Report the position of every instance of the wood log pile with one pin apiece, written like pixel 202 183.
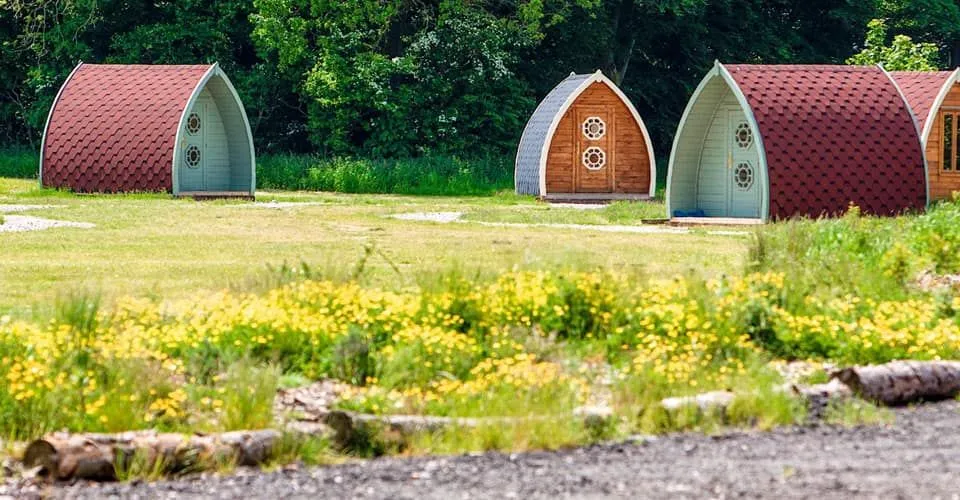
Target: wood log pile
pixel 64 456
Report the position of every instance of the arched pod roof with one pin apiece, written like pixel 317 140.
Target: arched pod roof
pixel 115 128
pixel 925 92
pixel 834 135
pixel 531 162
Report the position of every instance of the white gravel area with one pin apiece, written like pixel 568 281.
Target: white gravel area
pixel 283 204
pixel 442 217
pixel 23 223
pixel 457 217
pixel 13 209
pixel 580 206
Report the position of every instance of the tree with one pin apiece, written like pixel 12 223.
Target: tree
pixel 901 55
pixel 404 77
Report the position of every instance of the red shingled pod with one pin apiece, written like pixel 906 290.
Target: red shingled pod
pixel 829 136
pixel 114 128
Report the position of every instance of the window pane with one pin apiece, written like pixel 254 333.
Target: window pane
pixel 956 151
pixel 948 142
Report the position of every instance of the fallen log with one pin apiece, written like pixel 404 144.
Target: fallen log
pixel 903 382
pixel 64 456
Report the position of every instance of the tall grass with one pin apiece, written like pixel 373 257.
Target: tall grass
pixel 438 175
pixel 18 162
pixel 870 257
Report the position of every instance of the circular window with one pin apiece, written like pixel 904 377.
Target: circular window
pixel 743 176
pixel 192 156
pixel 193 124
pixel 594 128
pixel 594 158
pixel 744 136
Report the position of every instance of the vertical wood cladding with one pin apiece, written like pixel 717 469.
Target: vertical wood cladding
pixel 942 182
pixel 628 160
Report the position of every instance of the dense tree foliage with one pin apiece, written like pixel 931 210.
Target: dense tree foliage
pixel 396 78
pixel 901 55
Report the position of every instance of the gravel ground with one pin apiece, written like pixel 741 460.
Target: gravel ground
pixel 917 457
pixel 450 217
pixel 22 223
pixel 7 209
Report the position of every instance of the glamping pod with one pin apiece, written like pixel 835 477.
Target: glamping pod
pixel 124 128
pixel 585 141
pixel 934 97
pixel 772 142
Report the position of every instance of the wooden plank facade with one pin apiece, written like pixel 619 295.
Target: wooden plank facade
pixel 627 167
pixel 585 140
pixel 943 158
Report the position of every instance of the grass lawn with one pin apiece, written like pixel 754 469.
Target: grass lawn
pixel 153 245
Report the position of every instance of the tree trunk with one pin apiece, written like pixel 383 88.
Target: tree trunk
pixel 63 456
pixel 903 382
pixel 622 43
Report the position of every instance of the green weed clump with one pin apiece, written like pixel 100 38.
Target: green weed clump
pixel 869 257
pixel 433 175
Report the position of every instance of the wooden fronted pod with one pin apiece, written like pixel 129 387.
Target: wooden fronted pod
pixel 934 97
pixel 130 128
pixel 772 142
pixel 586 140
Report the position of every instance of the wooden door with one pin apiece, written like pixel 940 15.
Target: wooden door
pixel 192 150
pixel 744 190
pixel 594 152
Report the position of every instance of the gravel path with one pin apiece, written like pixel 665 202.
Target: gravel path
pixel 450 217
pixel 24 208
pixel 917 457
pixel 22 223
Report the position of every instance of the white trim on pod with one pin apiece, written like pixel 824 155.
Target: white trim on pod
pixel 916 126
pixel 597 77
pixel 758 138
pixel 46 127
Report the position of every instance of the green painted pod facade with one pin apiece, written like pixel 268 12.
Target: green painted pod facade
pixel 717 164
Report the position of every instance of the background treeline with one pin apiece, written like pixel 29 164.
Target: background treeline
pixel 397 79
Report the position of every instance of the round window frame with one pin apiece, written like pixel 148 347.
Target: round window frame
pixel 748 168
pixel 594 136
pixel 194 118
pixel 191 164
pixel 743 143
pixel 594 166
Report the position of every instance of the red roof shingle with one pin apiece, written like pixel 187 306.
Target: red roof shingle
pixel 921 89
pixel 834 135
pixel 114 127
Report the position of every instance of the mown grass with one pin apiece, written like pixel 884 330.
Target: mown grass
pixel 157 246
